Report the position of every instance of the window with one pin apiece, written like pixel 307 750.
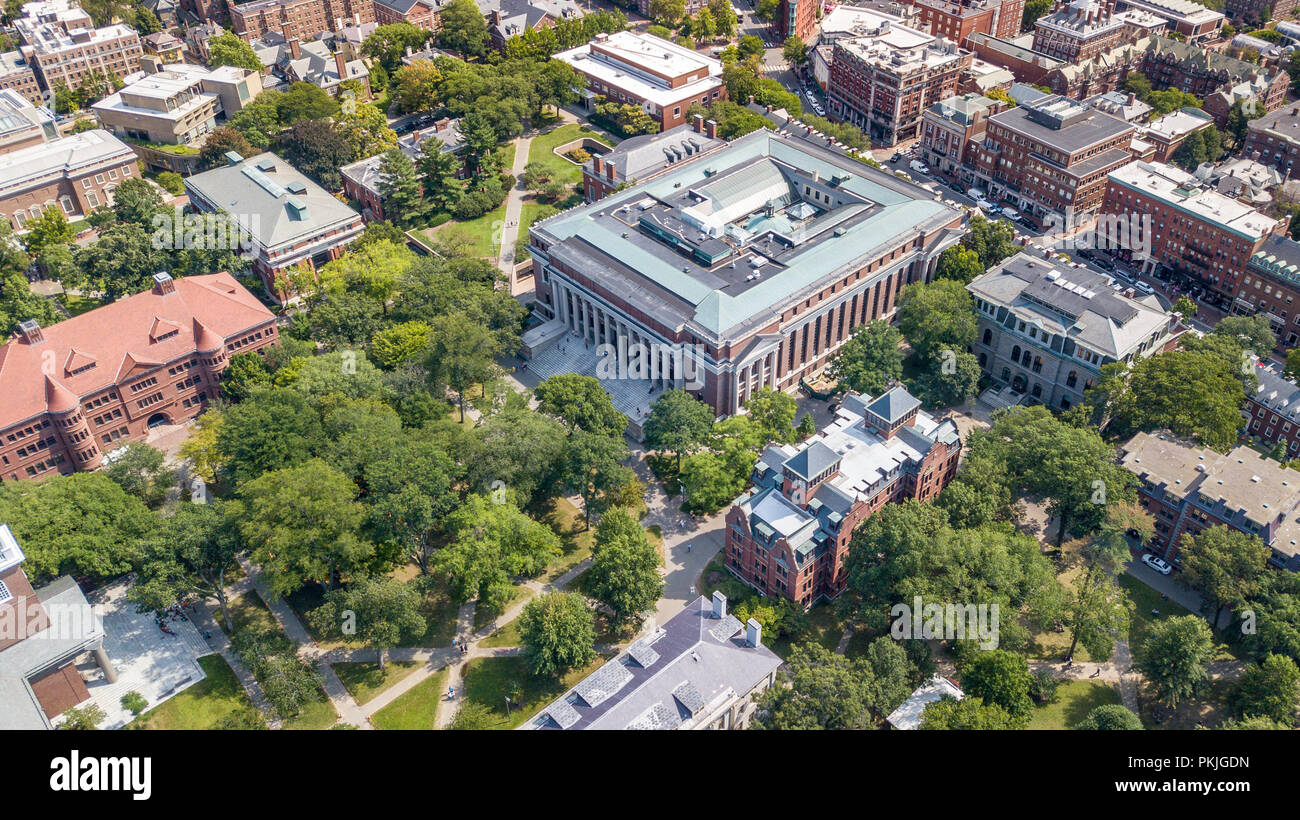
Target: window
pixel 65 202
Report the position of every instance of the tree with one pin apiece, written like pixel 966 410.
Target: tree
pixel 365 130
pixel 397 344
pixel 558 632
pixel 703 27
pixel 389 43
pixel 1225 565
pixel 1253 332
pixel 1002 678
pixel 960 264
pixel 461 354
pixel 474 716
pixel 724 17
pixel 826 691
pixel 258 122
pixel 303 523
pixel 593 467
pixel 48 230
pixel 228 49
pixel 1186 306
pixel 967 714
pixel 870 360
pixel 667 12
pixel 83 718
pixel 1110 717
pixel 122 262
pixel 489 544
pixel 220 142
pixel 795 50
pixel 439 171
pixel 951 379
pixel 304 101
pixel 139 469
pixel 82 524
pixel 245 373
pixel 678 422
pixel 992 240
pixel 773 413
pixel 381 611
pixel 318 150
pixel 624 573
pixel 1174 655
pixel 1270 690
pixel 581 403
pixel 137 201
pixel 195 552
pixel 399 188
pixel 937 317
pixel 464 28
pixel 411 491
pixel 766 10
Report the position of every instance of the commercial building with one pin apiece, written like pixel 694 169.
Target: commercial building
pixel 1045 331
pixel 1050 158
pixel 662 77
pixel 290 221
pixel 362 179
pixel 77 173
pixel 884 78
pixel 701 669
pixel 1195 22
pixel 798 18
pixel 641 159
pixel 1274 139
pixel 789 534
pixel 1188 228
pixel 78 389
pixel 303 19
pixel 958 19
pixel 951 130
pixel 757 261
pixel 1079 31
pixel 177 104
pixel 1188 488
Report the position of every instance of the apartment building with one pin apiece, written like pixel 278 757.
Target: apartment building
pixel 16 74
pixel 63 47
pixel 77 173
pixel 951 130
pixel 303 19
pixel 511 18
pixel 956 20
pixel 1259 11
pixel 789 534
pixel 289 219
pixel 426 14
pixel 1274 140
pixel 662 77
pixel 1270 285
pixel 1188 488
pixel 1192 230
pixel 798 18
pixel 883 79
pixel 1273 412
pixel 1079 31
pixel 1168 133
pixel 1046 330
pixel 85 386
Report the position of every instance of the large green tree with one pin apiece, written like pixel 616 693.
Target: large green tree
pixel 871 359
pixel 558 632
pixel 1173 658
pixel 624 573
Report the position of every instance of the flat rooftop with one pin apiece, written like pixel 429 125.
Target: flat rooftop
pixel 1185 192
pixel 1061 123
pixel 734 237
pixel 634 61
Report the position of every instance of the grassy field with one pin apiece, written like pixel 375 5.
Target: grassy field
pixel 567 522
pixel 542 150
pixel 483 233
pixel 78 305
pixel 1074 700
pixel 416 709
pixel 1148 607
pixel 489 680
pixel 365 681
pixel 202 706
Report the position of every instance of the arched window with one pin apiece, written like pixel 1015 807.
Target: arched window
pixel 988 336
pixel 1038 364
pixel 1015 354
pixel 1072 379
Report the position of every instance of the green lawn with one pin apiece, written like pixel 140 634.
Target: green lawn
pixel 484 616
pixel 318 714
pixel 438 608
pixel 365 681
pixel 202 706
pixel 489 680
pixel 567 522
pixel 78 305
pixel 1147 601
pixel 1074 700
pixel 542 150
pixel 416 709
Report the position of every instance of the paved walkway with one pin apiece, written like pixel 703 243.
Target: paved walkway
pixel 514 207
pixel 220 643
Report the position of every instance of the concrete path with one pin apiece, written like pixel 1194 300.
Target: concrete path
pixel 220 643
pixel 514 207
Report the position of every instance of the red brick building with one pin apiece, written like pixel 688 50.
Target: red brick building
pixel 426 14
pixel 798 18
pixel 790 534
pixel 958 19
pixel 81 388
pixel 1079 31
pixel 301 19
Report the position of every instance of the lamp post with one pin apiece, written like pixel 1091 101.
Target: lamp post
pixel 507 706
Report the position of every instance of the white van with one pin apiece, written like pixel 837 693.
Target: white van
pixel 919 167
pixel 1011 213
pixel 1144 287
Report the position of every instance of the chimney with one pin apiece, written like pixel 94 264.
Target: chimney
pixel 163 284
pixel 753 633
pixel 595 165
pixel 151 63
pixel 285 28
pixel 719 605
pixel 31 333
pixel 609 171
pixel 697 123
pixel 295 48
pixel 711 129
pixel 341 64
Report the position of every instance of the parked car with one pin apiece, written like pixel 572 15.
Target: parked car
pixel 896 157
pixel 1145 288
pixel 1160 565
pixel 919 167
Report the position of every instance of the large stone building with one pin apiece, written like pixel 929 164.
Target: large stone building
pixel 77 173
pixel 1186 227
pixel 1045 331
pixel 1050 158
pixel 756 260
pixel 289 220
pixel 884 78
pixel 1188 488
pixel 78 389
pixel 789 535
pixel 303 19
pixel 660 76
pixel 700 669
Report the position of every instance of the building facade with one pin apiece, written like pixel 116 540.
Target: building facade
pixel 1273 412
pixel 77 173
pixel 957 20
pixel 1274 140
pixel 362 179
pixel 1187 489
pixel 1197 23
pixel 1045 331
pixel 151 359
pixel 177 104
pixel 426 14
pixel 1079 31
pixel 641 159
pixel 303 19
pixel 951 130
pixel 789 535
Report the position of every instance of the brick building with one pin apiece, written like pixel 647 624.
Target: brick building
pixel 1259 11
pixel 1187 489
pixel 759 258
pixel 951 131
pixel 362 179
pixel 79 389
pixel 798 18
pixel 1273 412
pixel 883 80
pixel 77 173
pixel 660 76
pixel 789 535
pixel 63 56
pixel 16 73
pixel 303 19
pixel 1079 31
pixel 958 19
pixel 1197 23
pixel 1270 285
pixel 1193 231
pixel 1274 140
pixel 426 14
pixel 641 159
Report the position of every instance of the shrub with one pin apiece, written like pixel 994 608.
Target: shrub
pixel 134 702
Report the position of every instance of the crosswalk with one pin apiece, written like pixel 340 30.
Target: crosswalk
pixel 772 68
